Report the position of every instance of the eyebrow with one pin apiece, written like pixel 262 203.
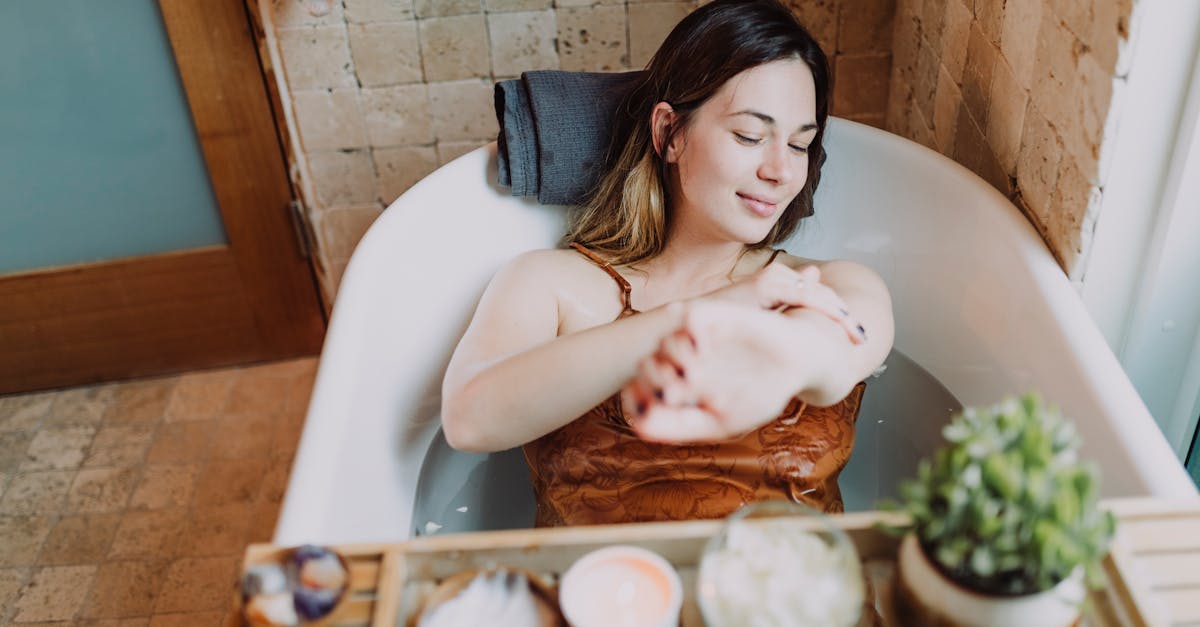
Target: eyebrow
pixel 770 121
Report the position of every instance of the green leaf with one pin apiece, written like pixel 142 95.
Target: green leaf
pixel 983 562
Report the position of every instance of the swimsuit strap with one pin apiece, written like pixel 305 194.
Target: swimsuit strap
pixel 604 265
pixel 773 256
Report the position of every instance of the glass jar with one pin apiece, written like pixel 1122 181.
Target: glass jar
pixel 780 563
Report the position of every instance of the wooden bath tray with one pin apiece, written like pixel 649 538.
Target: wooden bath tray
pixel 1154 568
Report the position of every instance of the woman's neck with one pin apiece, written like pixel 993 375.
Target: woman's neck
pixel 689 264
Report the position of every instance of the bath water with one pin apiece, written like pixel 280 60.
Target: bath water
pixel 902 414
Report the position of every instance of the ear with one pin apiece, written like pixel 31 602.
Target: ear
pixel 662 118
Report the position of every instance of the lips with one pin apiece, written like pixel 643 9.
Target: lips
pixel 760 206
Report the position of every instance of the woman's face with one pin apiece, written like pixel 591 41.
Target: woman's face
pixel 743 157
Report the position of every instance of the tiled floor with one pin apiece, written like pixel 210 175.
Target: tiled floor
pixel 130 503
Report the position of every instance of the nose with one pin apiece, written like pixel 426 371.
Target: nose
pixel 776 165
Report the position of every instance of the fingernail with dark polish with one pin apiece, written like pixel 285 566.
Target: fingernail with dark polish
pixel 862 332
pixel 843 312
pixel 658 394
pixel 641 408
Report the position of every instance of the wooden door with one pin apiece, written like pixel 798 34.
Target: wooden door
pixel 253 299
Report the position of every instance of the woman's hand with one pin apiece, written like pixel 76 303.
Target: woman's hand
pixel 778 287
pixel 725 372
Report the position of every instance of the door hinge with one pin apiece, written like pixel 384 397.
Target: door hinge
pixel 301 228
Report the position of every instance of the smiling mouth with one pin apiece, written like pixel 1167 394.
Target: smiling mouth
pixel 759 206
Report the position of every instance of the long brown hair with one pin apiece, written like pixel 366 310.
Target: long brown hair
pixel 626 217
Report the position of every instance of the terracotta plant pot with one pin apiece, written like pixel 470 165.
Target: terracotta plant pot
pixel 924 596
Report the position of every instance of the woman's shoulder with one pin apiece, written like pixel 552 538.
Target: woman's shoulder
pixel 551 268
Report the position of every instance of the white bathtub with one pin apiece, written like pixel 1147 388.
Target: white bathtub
pixel 979 303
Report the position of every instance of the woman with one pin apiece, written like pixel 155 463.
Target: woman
pixel 669 363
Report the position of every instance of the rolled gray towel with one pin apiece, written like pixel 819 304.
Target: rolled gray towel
pixel 554 131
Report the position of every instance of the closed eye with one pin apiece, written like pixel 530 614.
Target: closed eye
pixel 747 140
pixel 798 148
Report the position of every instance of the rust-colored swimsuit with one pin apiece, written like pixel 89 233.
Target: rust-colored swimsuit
pixel 594 470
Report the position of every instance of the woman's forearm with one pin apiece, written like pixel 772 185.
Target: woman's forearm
pixel 518 398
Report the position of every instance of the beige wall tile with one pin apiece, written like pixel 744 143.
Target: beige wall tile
pixel 1072 200
pixel 449 151
pixel 97 490
pixel 400 167
pixel 990 16
pixel 920 128
pixel 517 5
pixel 592 39
pixel 58 449
pixel 933 21
pixel 947 103
pixel 955 37
pixel 862 82
pixel 443 8
pixel 397 115
pixel 54 593
pixel 1094 91
pixel 365 11
pixel 37 492
pixel 1054 75
pixel 906 44
pixel 454 47
pixel 79 539
pixel 149 534
pixel 1022 25
pixel 200 395
pixel 649 25
pixel 317 57
pixel 587 3
pixel 1006 116
pixel 194 584
pixel 165 486
pixel 329 120
pixel 21 538
pixel 865 26
pixel 1037 163
pixel 463 110
pixel 287 13
pixel 11 582
pixel 925 81
pixel 187 619
pixel 1111 24
pixel 12 448
pixel 820 18
pixel 119 445
pixel 126 588
pixel 971 149
pixel 340 229
pixel 522 41
pixel 1077 15
pixel 899 103
pixel 387 53
pixel 343 178
pixel 977 74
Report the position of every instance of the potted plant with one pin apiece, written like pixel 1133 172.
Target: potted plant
pixel 1006 528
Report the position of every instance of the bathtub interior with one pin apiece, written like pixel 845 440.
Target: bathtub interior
pixel 979 304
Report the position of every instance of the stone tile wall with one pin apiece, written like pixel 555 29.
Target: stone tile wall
pixel 1019 91
pixel 379 93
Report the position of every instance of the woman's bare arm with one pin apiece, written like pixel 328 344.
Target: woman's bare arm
pixel 512 380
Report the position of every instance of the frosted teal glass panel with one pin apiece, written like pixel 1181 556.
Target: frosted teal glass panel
pixel 99 157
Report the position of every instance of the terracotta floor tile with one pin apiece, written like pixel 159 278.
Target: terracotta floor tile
pixel 12 449
pixel 197 584
pixel 229 481
pixel 54 593
pixel 166 485
pixel 153 534
pixel 125 589
pixel 11 582
pixel 241 436
pixel 194 619
pixel 21 538
pixel 259 393
pixel 80 406
pixel 285 436
pixel 140 402
pixel 60 448
pixel 219 530
pixel 79 540
pixel 120 445
pixel 200 395
pixel 24 411
pixel 4 478
pixel 275 481
pixel 181 442
pixel 262 522
pixel 141 621
pixel 37 492
pixel 102 489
